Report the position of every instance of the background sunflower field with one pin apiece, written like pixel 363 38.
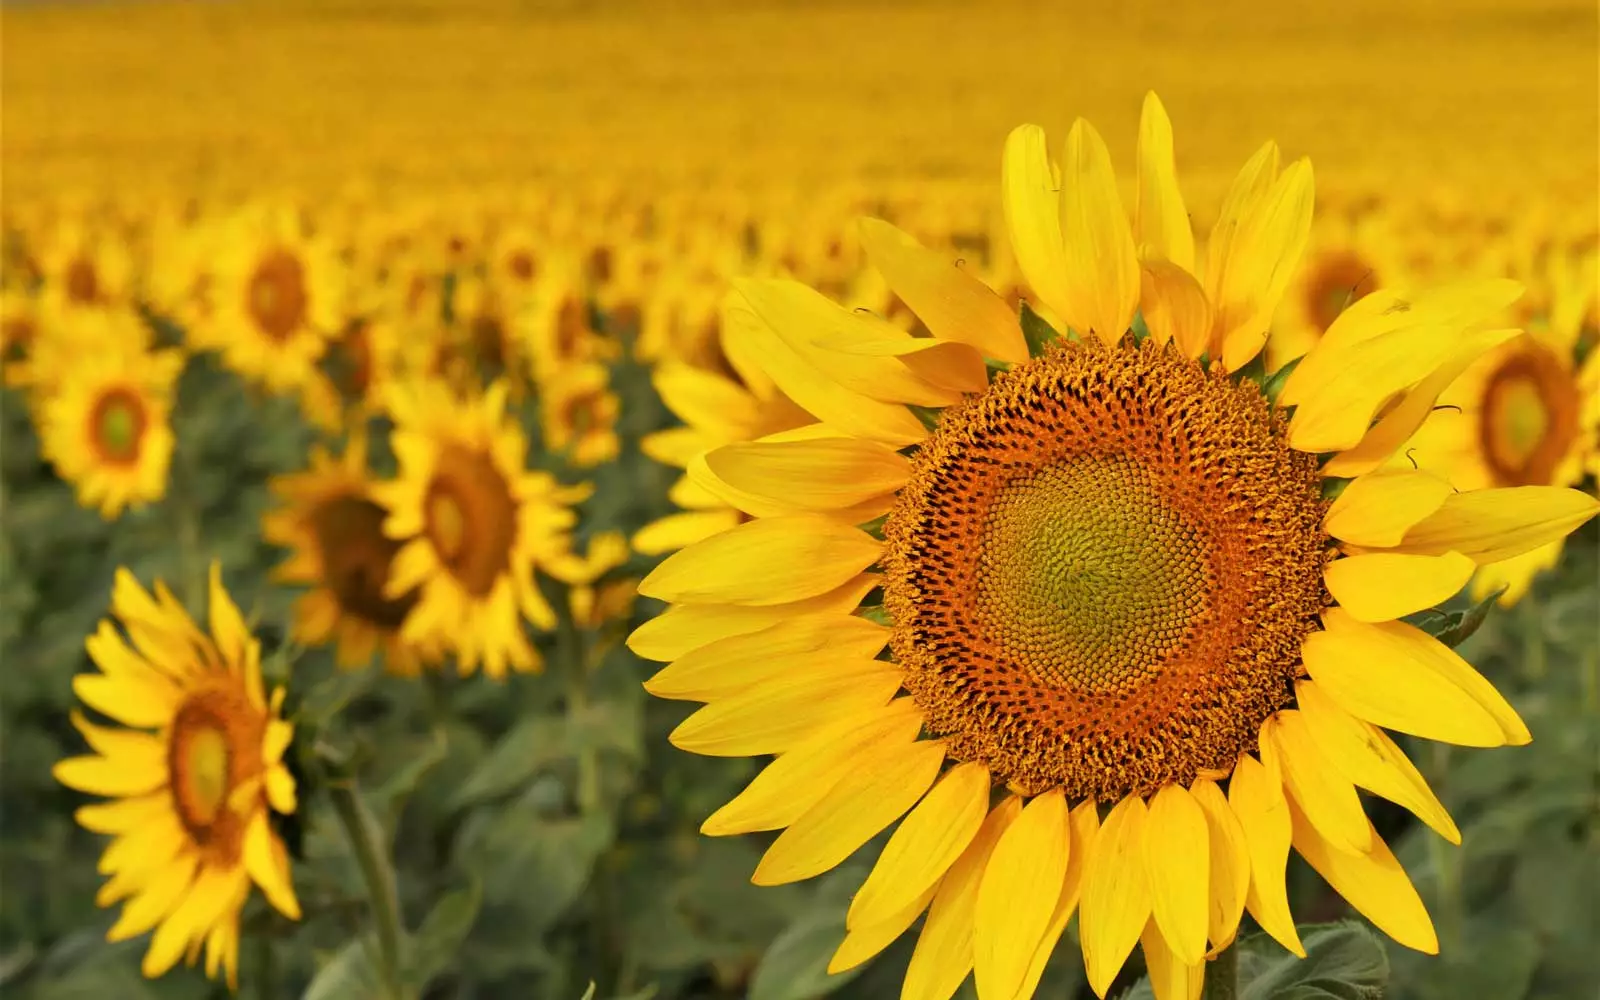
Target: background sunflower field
pixel 235 233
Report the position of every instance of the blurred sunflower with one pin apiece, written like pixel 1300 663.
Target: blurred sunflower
pixel 1347 258
pixel 277 298
pixel 84 266
pixel 1520 415
pixel 1111 585
pixel 103 419
pixel 475 524
pixel 591 601
pixel 191 821
pixel 715 410
pixel 579 415
pixel 334 531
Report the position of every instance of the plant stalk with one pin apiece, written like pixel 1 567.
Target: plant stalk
pixel 1222 975
pixel 381 894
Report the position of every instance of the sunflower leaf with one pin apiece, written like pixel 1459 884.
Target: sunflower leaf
pixel 1344 961
pixel 439 939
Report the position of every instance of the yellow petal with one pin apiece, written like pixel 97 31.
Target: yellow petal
pixel 776 715
pixel 1265 252
pixel 1374 883
pixel 1171 978
pixel 852 812
pixel 1084 824
pixel 1255 794
pixel 821 331
pixel 1161 222
pixel 1177 858
pixel 268 865
pixel 1229 860
pixel 124 814
pixel 677 531
pixel 820 475
pixel 865 940
pixel 685 627
pixel 1314 784
pixel 1174 307
pixel 1102 277
pixel 703 399
pixel 924 847
pixel 1366 755
pixel 1116 894
pixel 1018 894
pixel 1397 676
pixel 1378 508
pixel 1383 586
pixel 953 305
pixel 159 898
pixel 943 955
pixel 110 777
pixel 772 560
pixel 798 377
pixel 804 773
pixel 227 625
pixel 1249 186
pixel 1031 195
pixel 1488 526
pixel 726 667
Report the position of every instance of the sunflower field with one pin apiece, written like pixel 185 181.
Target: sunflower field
pixel 687 500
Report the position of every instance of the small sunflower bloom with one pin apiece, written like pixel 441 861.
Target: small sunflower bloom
pixel 579 415
pixel 474 525
pixel 104 418
pixel 194 770
pixel 333 530
pixel 1127 652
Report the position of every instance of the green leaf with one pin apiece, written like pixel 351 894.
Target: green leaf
pixel 1344 961
pixel 391 796
pixel 1458 626
pixel 529 745
pixel 442 933
pixel 795 967
pixel 327 699
pixel 1039 334
pixel 349 975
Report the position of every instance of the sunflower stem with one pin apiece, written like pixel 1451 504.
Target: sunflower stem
pixel 362 831
pixel 266 965
pixel 1222 975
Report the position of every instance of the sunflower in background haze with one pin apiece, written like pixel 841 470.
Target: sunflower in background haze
pixel 1114 590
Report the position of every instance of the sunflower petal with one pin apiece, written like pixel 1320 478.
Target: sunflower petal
pixel 1177 858
pixel 1266 248
pixel 268 865
pixel 1488 526
pixel 1378 508
pixel 1084 826
pixel 852 812
pixel 1383 586
pixel 774 716
pixel 1116 894
pixel 1031 195
pixel 1256 797
pixel 724 668
pixel 820 475
pixel 1102 276
pixel 1230 864
pixel 1397 676
pixel 1315 785
pixel 1171 978
pixel 771 560
pixel 686 627
pixel 1161 222
pixel 1373 883
pixel 1366 755
pixel 1174 307
pixel 924 847
pixel 1021 885
pixel 865 940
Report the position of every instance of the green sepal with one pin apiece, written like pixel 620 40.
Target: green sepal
pixel 1138 328
pixel 1333 486
pixel 1039 334
pixel 929 415
pixel 1455 627
pixel 1272 388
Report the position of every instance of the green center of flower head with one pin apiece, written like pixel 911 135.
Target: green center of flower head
pixel 117 425
pixel 205 755
pixel 1102 569
pixel 1088 577
pixel 1529 418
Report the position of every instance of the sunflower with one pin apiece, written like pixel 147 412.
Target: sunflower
pixel 579 413
pixel 591 601
pixel 1520 415
pixel 334 531
pixel 276 300
pixel 85 267
pixel 1348 256
pixel 716 410
pixel 474 524
pixel 103 417
pixel 191 820
pixel 1143 652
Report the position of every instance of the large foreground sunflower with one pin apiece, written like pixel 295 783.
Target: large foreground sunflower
pixel 475 523
pixel 190 820
pixel 1141 650
pixel 103 417
pixel 334 531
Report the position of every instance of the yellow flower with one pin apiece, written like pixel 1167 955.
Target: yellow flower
pixel 277 298
pixel 579 413
pixel 1347 258
pixel 716 409
pixel 104 419
pixel 194 776
pixel 1112 587
pixel 1520 415
pixel 84 266
pixel 475 524
pixel 592 606
pixel 334 531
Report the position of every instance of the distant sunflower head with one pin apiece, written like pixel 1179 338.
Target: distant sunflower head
pixel 579 413
pixel 334 531
pixel 104 423
pixel 1146 591
pixel 474 525
pixel 276 300
pixel 194 769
